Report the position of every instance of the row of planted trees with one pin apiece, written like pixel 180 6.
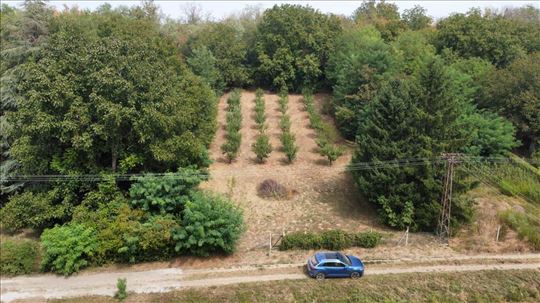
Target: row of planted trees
pixel 234 122
pixel 287 138
pixel 261 147
pixel 323 130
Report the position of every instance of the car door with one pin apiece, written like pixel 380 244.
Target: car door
pixel 333 269
pixel 340 270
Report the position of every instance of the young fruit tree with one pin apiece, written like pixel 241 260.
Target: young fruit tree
pixel 262 147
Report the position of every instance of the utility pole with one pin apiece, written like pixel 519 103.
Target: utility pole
pixel 444 226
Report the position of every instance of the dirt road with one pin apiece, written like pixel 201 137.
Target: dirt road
pixel 42 287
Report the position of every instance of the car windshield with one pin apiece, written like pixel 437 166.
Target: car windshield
pixel 343 258
pixel 313 260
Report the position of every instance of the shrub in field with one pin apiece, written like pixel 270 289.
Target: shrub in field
pixel 335 239
pixel 165 194
pixel 68 248
pixel 121 289
pixel 285 123
pixel 260 115
pixel 300 240
pixel 259 93
pixel 289 147
pixel 210 224
pixel 234 123
pixel 331 152
pixel 270 188
pixel 367 239
pixel 261 147
pixel 33 210
pixel 330 239
pixel 283 103
pixel 18 257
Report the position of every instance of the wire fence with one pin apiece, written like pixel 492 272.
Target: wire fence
pixel 471 161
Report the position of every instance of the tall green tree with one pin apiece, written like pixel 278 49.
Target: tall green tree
pixel 96 97
pixel 360 62
pixel 514 92
pixel 204 64
pixel 415 117
pixel 229 48
pixel 416 18
pixel 22 32
pixel 383 16
pixel 292 45
pixel 489 36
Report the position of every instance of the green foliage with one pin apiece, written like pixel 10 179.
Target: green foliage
pixel 292 46
pixel 68 248
pixel 203 64
pixel 34 210
pixel 493 37
pixel 289 146
pixel 527 226
pixel 335 239
pixel 367 240
pixel 210 224
pixel 330 239
pixel 383 16
pixel 121 286
pixel 229 46
pixel 285 123
pixel 261 147
pixel 260 115
pixel 331 152
pixel 360 61
pixel 95 95
pixel 165 194
pixel 416 18
pixel 18 257
pixel 283 103
pixel 405 109
pixel 491 135
pixel 234 123
pixel 514 92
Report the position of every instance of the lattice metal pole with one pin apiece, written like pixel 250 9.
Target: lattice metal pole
pixel 444 227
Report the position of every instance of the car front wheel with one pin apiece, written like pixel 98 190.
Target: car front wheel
pixel 355 275
pixel 319 276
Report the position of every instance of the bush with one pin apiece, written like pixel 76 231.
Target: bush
pixel 335 240
pixel 300 241
pixel 33 210
pixel 68 248
pixel 270 188
pixel 283 103
pixel 121 286
pixel 18 257
pixel 285 123
pixel 234 123
pixel 330 239
pixel 165 194
pixel 210 224
pixel 290 148
pixel 367 239
pixel 331 152
pixel 261 147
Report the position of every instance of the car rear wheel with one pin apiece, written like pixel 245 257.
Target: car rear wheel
pixel 355 275
pixel 319 276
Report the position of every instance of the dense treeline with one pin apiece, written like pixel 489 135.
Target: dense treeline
pixel 126 91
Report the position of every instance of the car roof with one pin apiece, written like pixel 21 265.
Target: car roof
pixel 328 256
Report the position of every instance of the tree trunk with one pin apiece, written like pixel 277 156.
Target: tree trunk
pixel 114 158
pixel 532 147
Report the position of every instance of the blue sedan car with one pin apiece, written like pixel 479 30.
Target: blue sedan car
pixel 334 264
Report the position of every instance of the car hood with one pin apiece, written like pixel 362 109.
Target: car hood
pixel 356 262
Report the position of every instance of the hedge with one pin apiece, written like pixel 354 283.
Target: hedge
pixel 331 239
pixel 19 256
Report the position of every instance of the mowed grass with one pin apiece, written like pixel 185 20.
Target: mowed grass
pixel 486 286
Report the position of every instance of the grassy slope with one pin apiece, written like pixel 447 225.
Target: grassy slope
pixel 488 286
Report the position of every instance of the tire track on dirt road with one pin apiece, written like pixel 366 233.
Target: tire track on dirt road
pixel 43 287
